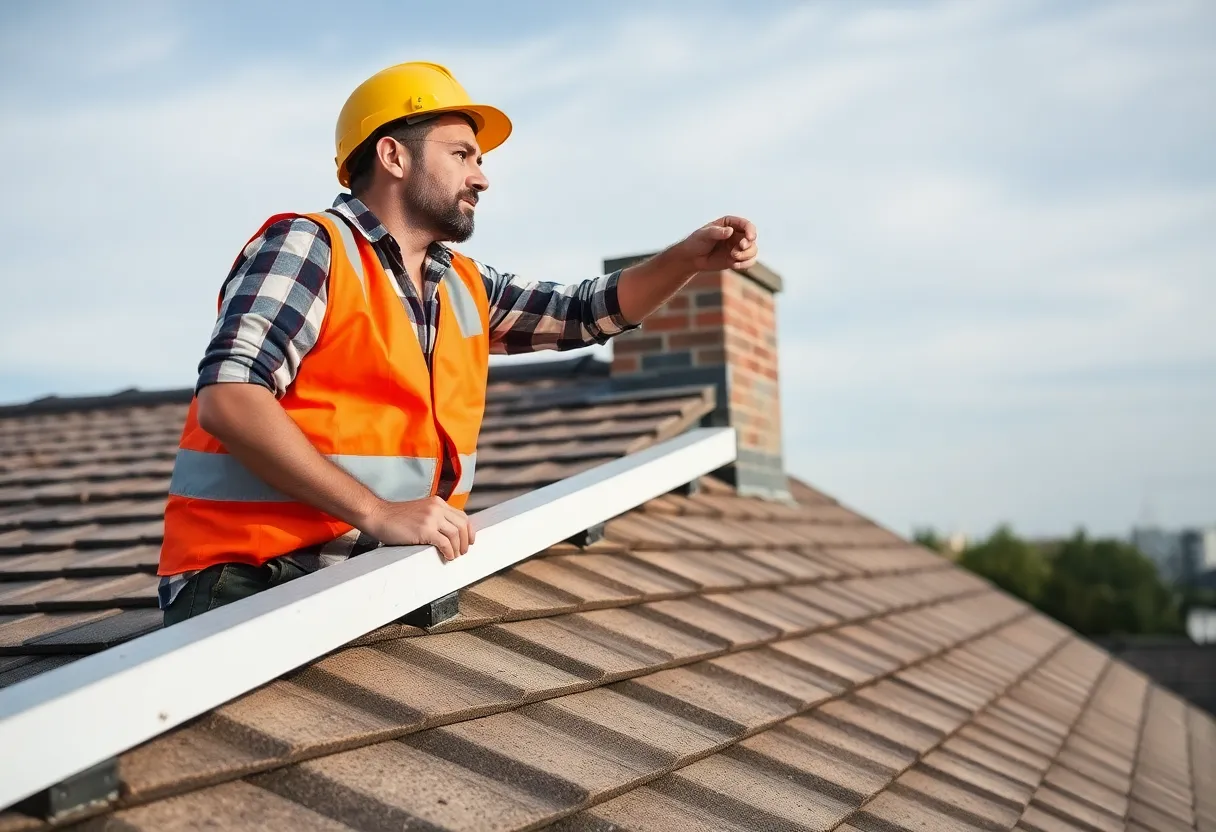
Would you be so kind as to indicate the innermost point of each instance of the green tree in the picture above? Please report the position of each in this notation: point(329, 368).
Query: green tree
point(928, 537)
point(1108, 587)
point(1011, 563)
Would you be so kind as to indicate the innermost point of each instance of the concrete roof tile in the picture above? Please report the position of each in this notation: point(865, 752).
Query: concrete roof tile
point(704, 616)
point(588, 589)
point(781, 672)
point(831, 656)
point(911, 811)
point(953, 797)
point(236, 805)
point(399, 785)
point(1079, 786)
point(843, 773)
point(646, 810)
point(1082, 812)
point(745, 787)
point(948, 766)
point(710, 693)
point(679, 733)
point(635, 574)
point(785, 612)
point(706, 570)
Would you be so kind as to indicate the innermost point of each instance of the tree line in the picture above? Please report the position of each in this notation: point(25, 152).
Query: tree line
point(1097, 586)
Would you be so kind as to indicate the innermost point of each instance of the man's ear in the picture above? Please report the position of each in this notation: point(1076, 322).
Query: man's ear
point(393, 157)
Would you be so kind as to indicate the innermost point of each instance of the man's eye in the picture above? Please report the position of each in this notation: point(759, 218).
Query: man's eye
point(463, 154)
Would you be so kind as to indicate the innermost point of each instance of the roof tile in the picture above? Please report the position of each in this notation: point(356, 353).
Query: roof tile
point(878, 726)
point(988, 759)
point(845, 769)
point(229, 806)
point(947, 766)
point(703, 616)
point(633, 573)
point(578, 647)
point(789, 564)
point(912, 811)
point(705, 570)
point(1094, 793)
point(81, 563)
point(827, 597)
point(677, 733)
point(1083, 813)
point(553, 746)
point(25, 667)
point(748, 788)
point(646, 810)
point(98, 634)
point(787, 613)
point(1082, 764)
point(19, 632)
point(516, 595)
point(562, 573)
point(778, 671)
point(200, 755)
point(401, 786)
point(673, 640)
point(1001, 744)
point(703, 692)
point(951, 797)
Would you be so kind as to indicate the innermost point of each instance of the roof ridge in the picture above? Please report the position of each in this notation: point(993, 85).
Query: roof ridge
point(130, 397)
point(580, 366)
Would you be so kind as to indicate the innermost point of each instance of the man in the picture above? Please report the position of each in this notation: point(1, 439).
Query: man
point(339, 401)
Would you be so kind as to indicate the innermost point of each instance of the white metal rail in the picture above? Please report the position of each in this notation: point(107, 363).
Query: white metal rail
point(61, 722)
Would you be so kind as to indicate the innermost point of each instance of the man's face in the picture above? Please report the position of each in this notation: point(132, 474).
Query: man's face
point(446, 181)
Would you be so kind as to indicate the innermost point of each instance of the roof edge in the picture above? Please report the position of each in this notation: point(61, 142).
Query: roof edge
point(581, 366)
point(131, 397)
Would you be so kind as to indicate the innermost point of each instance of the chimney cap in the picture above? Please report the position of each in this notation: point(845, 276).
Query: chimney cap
point(757, 272)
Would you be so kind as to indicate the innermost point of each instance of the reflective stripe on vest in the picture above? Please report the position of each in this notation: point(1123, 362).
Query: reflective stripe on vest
point(208, 476)
point(352, 249)
point(468, 467)
point(464, 306)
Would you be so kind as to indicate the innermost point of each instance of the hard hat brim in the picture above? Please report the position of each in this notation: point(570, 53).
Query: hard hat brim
point(493, 128)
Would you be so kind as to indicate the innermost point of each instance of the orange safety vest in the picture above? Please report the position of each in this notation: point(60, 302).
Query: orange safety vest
point(363, 396)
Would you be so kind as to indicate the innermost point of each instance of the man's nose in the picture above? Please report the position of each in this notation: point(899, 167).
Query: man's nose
point(479, 182)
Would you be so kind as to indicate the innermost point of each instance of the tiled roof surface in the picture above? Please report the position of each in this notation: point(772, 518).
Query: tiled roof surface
point(714, 663)
point(82, 494)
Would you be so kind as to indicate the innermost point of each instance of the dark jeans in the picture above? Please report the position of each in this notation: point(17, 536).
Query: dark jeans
point(224, 583)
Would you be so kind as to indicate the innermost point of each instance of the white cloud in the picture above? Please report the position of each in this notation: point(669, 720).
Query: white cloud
point(969, 202)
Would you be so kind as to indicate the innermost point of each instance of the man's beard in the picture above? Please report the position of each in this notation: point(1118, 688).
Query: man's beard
point(442, 215)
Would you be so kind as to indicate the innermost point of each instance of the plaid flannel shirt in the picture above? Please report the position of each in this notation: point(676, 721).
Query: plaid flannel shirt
point(273, 303)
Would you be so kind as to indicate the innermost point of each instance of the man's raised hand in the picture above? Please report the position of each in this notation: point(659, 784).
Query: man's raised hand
point(726, 243)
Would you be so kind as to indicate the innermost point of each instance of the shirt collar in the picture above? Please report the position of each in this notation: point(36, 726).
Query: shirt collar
point(369, 225)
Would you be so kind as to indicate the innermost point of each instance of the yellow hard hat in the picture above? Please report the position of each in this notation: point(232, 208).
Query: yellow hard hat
point(410, 89)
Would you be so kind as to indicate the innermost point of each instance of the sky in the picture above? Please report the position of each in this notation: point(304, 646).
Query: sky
point(996, 221)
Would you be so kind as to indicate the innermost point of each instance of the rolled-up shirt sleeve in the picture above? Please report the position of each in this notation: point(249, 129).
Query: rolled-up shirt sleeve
point(529, 315)
point(272, 308)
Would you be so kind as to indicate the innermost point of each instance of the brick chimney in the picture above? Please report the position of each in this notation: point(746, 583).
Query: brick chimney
point(720, 329)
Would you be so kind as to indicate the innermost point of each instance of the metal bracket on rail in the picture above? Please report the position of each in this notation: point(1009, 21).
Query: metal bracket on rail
point(92, 788)
point(588, 536)
point(441, 609)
